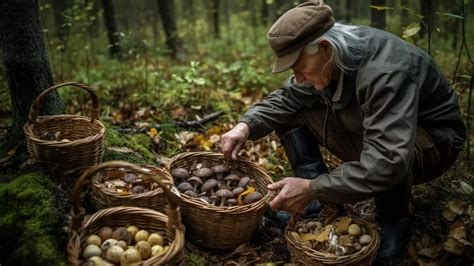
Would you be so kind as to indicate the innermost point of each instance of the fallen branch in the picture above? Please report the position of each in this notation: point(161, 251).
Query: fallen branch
point(190, 125)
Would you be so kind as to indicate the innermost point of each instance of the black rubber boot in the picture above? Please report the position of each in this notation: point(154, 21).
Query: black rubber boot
point(302, 150)
point(393, 238)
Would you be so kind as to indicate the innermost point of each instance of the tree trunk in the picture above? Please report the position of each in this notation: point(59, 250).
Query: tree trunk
point(378, 16)
point(60, 20)
point(26, 63)
point(112, 33)
point(215, 18)
point(348, 11)
point(166, 9)
point(92, 8)
point(265, 13)
point(426, 10)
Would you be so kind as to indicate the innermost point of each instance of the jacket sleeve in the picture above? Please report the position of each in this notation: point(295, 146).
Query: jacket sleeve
point(278, 109)
point(389, 103)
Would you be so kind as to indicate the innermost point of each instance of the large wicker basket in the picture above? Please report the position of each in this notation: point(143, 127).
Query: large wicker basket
point(168, 225)
point(78, 140)
point(221, 227)
point(105, 198)
point(309, 256)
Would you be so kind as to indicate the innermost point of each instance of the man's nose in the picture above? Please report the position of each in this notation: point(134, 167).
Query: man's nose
point(299, 78)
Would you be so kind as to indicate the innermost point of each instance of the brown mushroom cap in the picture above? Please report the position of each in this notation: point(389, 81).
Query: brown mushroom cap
point(195, 182)
point(252, 197)
point(191, 193)
point(185, 186)
point(218, 169)
point(209, 184)
point(231, 202)
point(223, 194)
point(181, 173)
point(204, 172)
point(129, 177)
point(236, 191)
point(232, 178)
point(244, 181)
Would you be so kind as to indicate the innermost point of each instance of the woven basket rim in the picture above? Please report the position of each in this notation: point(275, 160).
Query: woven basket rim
point(29, 127)
point(359, 255)
point(262, 203)
point(99, 185)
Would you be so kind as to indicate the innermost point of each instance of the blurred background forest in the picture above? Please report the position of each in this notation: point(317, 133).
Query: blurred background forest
point(157, 62)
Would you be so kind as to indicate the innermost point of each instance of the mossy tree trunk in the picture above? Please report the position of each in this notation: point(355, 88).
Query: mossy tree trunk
point(377, 19)
point(26, 63)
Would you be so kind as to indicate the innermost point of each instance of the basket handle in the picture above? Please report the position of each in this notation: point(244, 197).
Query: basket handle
point(34, 110)
point(78, 213)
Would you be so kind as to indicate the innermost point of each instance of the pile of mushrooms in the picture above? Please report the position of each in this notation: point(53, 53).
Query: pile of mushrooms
point(341, 237)
point(125, 182)
point(122, 246)
point(216, 185)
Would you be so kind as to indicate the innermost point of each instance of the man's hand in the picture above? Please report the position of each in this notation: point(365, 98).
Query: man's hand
point(233, 140)
point(293, 196)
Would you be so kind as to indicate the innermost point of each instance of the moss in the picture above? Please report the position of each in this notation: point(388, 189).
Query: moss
point(30, 222)
point(139, 143)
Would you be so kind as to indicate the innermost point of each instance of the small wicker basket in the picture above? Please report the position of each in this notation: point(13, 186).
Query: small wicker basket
point(309, 256)
point(153, 199)
point(168, 225)
point(221, 227)
point(80, 139)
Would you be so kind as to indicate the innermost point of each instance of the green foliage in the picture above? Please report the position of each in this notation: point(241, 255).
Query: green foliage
point(194, 259)
point(139, 143)
point(29, 222)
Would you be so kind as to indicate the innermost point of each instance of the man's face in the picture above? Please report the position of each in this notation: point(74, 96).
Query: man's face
point(314, 68)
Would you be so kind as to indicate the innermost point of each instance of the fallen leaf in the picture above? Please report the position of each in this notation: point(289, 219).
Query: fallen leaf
point(453, 246)
point(243, 194)
point(457, 230)
point(456, 206)
point(308, 237)
point(341, 224)
point(153, 133)
point(324, 235)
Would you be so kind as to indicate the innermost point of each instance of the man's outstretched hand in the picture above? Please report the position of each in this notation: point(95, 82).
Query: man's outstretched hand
point(293, 194)
point(232, 141)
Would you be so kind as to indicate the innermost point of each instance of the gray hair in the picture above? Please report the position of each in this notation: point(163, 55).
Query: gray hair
point(348, 46)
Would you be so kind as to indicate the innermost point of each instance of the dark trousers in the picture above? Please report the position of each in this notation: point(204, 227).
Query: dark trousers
point(435, 151)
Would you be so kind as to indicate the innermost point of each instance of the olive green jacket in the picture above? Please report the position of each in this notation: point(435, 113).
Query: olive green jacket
point(396, 88)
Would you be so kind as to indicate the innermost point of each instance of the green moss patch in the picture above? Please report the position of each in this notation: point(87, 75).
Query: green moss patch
point(139, 144)
point(30, 222)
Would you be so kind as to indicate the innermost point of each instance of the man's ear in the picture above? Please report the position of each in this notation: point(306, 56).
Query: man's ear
point(325, 45)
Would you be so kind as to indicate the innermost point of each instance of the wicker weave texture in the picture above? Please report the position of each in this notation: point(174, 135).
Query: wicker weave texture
point(309, 256)
point(80, 142)
point(154, 199)
point(169, 225)
point(221, 227)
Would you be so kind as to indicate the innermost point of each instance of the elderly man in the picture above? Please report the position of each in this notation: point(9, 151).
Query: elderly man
point(375, 101)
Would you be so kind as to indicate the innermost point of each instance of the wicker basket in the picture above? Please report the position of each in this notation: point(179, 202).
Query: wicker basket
point(221, 227)
point(80, 141)
point(309, 256)
point(169, 225)
point(154, 199)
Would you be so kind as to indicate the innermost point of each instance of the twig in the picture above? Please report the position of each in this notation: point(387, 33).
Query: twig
point(195, 124)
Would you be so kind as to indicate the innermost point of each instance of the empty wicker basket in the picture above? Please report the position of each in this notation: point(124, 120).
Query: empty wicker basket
point(221, 227)
point(168, 225)
point(65, 143)
point(309, 256)
point(153, 199)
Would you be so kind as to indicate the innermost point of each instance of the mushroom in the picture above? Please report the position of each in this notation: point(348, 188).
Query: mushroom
point(221, 184)
point(185, 186)
point(138, 189)
point(244, 181)
point(209, 186)
point(236, 191)
point(191, 193)
point(220, 170)
point(204, 172)
point(252, 197)
point(195, 182)
point(205, 199)
point(231, 202)
point(180, 173)
point(231, 178)
point(223, 194)
point(214, 199)
point(129, 178)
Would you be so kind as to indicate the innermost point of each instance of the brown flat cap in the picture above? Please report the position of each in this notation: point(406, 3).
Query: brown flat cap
point(296, 28)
